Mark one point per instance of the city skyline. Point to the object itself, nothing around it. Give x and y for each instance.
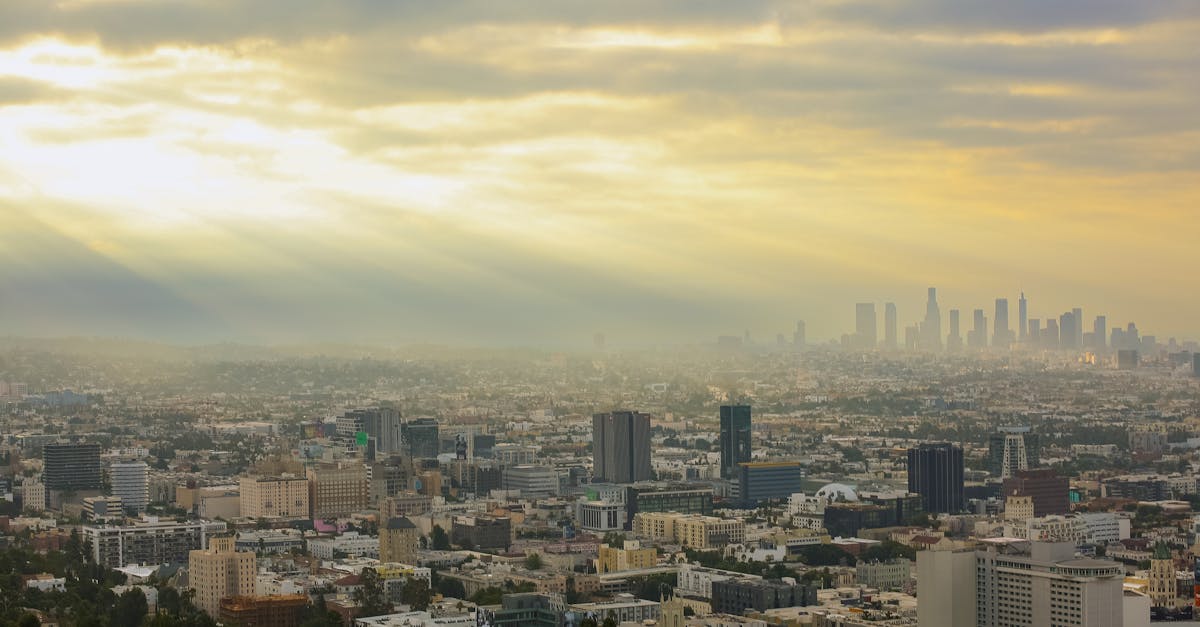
(482, 173)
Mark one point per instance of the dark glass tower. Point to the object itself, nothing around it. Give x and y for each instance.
(735, 438)
(621, 447)
(935, 471)
(71, 467)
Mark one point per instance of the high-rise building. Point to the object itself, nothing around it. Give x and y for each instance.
(1011, 449)
(764, 481)
(1022, 317)
(735, 438)
(337, 490)
(1162, 590)
(381, 424)
(799, 340)
(219, 572)
(399, 540)
(866, 326)
(1041, 584)
(1035, 332)
(621, 447)
(1001, 334)
(274, 497)
(1127, 359)
(931, 329)
(954, 340)
(72, 467)
(889, 326)
(977, 337)
(130, 483)
(421, 438)
(935, 471)
(1077, 315)
(1100, 332)
(1067, 325)
(150, 541)
(1050, 334)
(1051, 493)
(946, 588)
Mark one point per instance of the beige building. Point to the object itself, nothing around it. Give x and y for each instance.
(274, 497)
(220, 572)
(691, 530)
(338, 490)
(629, 557)
(399, 540)
(1162, 577)
(1018, 508)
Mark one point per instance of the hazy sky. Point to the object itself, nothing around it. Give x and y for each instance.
(526, 171)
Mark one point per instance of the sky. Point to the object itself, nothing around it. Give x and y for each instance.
(531, 172)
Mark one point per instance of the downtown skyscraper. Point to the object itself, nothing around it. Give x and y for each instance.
(735, 438)
(931, 329)
(889, 326)
(866, 326)
(621, 447)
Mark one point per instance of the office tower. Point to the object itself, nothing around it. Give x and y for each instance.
(931, 329)
(912, 335)
(798, 337)
(399, 540)
(1022, 317)
(764, 481)
(383, 425)
(1066, 330)
(219, 572)
(889, 326)
(130, 483)
(977, 337)
(935, 471)
(1035, 332)
(1100, 332)
(1077, 316)
(735, 438)
(1050, 334)
(866, 326)
(946, 588)
(1041, 583)
(1051, 493)
(621, 447)
(954, 340)
(1001, 335)
(72, 467)
(1011, 449)
(337, 491)
(420, 438)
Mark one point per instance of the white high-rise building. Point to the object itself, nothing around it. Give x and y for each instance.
(1015, 582)
(131, 483)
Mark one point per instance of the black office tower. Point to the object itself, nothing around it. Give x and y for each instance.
(735, 438)
(71, 467)
(420, 438)
(621, 447)
(935, 471)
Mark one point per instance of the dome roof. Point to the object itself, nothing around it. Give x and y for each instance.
(838, 492)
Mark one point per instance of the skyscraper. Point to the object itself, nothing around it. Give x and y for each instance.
(621, 447)
(1077, 315)
(889, 326)
(798, 338)
(1100, 332)
(866, 326)
(1001, 335)
(977, 337)
(129, 481)
(1011, 449)
(71, 467)
(954, 340)
(420, 438)
(735, 438)
(931, 329)
(219, 572)
(935, 471)
(1022, 317)
(1067, 324)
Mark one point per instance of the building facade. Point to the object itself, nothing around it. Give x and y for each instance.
(274, 497)
(735, 438)
(935, 471)
(621, 447)
(220, 571)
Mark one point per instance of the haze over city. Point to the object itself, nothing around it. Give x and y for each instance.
(285, 171)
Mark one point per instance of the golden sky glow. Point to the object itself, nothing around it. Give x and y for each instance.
(515, 172)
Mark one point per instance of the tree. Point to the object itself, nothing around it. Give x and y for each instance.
(488, 596)
(416, 594)
(614, 539)
(533, 561)
(130, 608)
(439, 539)
(370, 597)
